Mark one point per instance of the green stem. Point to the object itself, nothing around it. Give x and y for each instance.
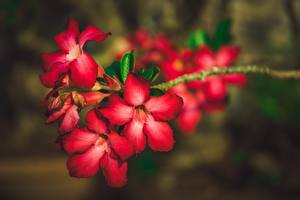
(250, 69)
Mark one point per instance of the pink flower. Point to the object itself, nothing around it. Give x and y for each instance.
(143, 115)
(71, 58)
(96, 147)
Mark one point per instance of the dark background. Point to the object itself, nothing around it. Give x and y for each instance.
(249, 151)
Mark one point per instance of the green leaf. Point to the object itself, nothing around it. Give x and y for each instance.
(103, 102)
(222, 34)
(127, 65)
(101, 81)
(113, 70)
(150, 73)
(198, 38)
(156, 92)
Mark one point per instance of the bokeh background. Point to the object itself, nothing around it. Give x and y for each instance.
(249, 151)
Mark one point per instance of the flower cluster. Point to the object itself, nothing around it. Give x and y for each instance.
(198, 96)
(122, 110)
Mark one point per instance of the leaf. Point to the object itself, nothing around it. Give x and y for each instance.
(198, 38)
(156, 92)
(101, 80)
(113, 70)
(150, 73)
(127, 65)
(222, 34)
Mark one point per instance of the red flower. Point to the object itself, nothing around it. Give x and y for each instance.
(66, 112)
(71, 57)
(143, 115)
(215, 87)
(65, 108)
(191, 113)
(97, 147)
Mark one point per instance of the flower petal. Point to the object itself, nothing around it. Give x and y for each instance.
(52, 59)
(165, 107)
(227, 55)
(67, 40)
(215, 89)
(116, 110)
(136, 90)
(84, 71)
(115, 172)
(52, 116)
(120, 146)
(235, 79)
(70, 120)
(188, 120)
(86, 164)
(205, 58)
(92, 98)
(160, 135)
(78, 141)
(95, 122)
(133, 131)
(49, 79)
(91, 33)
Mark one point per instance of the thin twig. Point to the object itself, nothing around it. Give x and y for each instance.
(250, 69)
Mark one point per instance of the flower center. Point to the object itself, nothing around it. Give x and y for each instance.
(140, 113)
(74, 53)
(100, 141)
(178, 65)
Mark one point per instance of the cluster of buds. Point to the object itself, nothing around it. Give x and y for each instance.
(202, 54)
(123, 113)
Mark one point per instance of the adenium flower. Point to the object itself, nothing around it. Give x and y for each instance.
(97, 147)
(65, 108)
(143, 115)
(71, 58)
(215, 87)
(191, 113)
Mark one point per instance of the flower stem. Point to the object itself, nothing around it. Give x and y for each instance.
(250, 69)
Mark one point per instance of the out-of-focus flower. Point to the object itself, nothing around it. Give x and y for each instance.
(143, 115)
(210, 95)
(71, 58)
(191, 113)
(97, 147)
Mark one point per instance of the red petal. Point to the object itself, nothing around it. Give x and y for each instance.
(84, 71)
(78, 141)
(116, 110)
(136, 90)
(51, 59)
(86, 164)
(205, 58)
(49, 79)
(115, 172)
(165, 107)
(120, 146)
(188, 120)
(133, 131)
(160, 135)
(91, 33)
(57, 114)
(95, 122)
(70, 120)
(92, 98)
(67, 40)
(236, 79)
(215, 89)
(227, 55)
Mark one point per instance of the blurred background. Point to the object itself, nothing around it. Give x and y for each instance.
(249, 151)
